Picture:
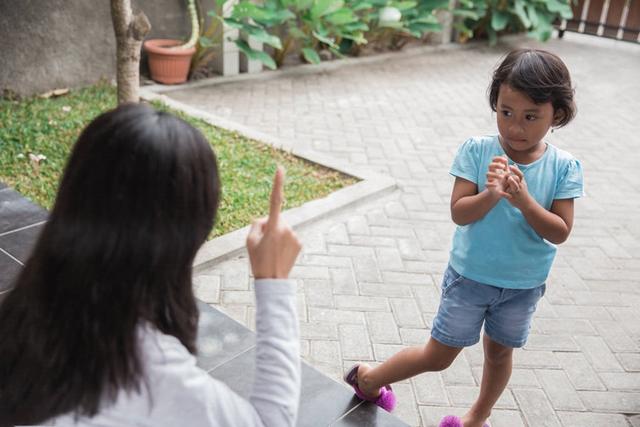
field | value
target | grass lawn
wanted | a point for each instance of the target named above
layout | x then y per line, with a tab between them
49	127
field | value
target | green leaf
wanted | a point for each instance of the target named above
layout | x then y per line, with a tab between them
261	35
341	17
520	12
324	7
423	27
533	15
245	9
387	24
434	4
427	19
297	33
499	20
556	6
311	55
544	29
466	14
493	36
234	23
256	54
357	37
324	39
466	3
301	5
361	6
355	26
404	5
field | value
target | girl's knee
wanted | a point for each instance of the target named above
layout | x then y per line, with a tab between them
497	354
438	356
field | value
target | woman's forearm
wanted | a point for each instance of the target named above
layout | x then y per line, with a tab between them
276	388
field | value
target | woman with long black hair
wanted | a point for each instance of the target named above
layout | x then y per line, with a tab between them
100	328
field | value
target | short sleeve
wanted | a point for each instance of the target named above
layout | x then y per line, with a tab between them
465	164
571	183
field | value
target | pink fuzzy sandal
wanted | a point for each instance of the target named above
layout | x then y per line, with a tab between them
453	421
387	398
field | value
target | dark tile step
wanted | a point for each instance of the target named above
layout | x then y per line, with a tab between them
19	244
17	212
368	415
323	401
220	338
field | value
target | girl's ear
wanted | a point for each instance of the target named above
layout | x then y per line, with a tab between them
558	117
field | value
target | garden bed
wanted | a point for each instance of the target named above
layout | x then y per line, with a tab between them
36	136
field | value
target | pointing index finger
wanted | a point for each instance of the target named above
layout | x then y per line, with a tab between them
277	194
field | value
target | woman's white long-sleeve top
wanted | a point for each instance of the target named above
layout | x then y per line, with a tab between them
179	393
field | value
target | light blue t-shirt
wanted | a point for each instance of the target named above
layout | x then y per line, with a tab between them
502	249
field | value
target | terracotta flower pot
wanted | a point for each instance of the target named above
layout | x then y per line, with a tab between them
168	66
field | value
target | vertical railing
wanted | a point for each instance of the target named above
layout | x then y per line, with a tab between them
616	19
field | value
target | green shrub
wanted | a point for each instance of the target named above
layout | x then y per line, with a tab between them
491	18
392	23
339	27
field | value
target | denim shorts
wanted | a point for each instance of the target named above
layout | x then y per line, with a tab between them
465	304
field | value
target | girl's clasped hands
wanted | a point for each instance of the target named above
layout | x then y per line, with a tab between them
507	181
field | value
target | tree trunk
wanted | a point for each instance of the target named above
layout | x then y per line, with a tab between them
130	31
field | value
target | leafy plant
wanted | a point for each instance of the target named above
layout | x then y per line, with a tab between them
306	26
314	28
392	23
493	17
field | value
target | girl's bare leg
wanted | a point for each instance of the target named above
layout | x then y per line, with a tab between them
407	363
498	362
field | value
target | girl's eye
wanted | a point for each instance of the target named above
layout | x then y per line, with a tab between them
506	113
530	117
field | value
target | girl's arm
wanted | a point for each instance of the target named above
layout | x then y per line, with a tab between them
467	205
553	225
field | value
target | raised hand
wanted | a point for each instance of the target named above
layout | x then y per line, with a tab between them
272	245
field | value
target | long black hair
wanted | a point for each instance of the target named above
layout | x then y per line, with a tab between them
542	76
137	199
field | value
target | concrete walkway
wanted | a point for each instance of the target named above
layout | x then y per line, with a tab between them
369	277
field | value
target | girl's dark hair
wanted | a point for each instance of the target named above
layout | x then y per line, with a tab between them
137	199
542	76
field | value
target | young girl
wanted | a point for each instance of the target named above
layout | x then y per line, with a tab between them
513	202
100	329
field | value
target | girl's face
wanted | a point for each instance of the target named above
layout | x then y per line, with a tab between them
522	123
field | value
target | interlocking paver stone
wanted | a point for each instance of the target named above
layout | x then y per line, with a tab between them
536	408
406	117
559	389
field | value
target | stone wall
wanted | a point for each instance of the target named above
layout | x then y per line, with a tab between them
47	44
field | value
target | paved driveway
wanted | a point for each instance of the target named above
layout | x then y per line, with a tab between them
369	277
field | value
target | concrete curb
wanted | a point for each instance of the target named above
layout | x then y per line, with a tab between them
231	244
304	69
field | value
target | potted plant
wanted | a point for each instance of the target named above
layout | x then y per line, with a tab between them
170	60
